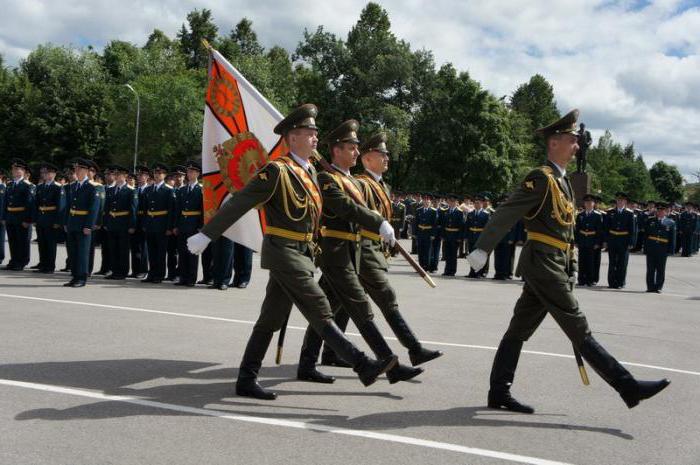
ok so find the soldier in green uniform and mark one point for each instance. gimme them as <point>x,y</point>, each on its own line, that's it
<point>288,192</point>
<point>398,214</point>
<point>373,261</point>
<point>345,215</point>
<point>545,201</point>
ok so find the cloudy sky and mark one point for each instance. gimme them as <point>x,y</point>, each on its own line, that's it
<point>629,66</point>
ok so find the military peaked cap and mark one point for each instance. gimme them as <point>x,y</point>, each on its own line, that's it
<point>301,117</point>
<point>565,125</point>
<point>346,132</point>
<point>376,143</point>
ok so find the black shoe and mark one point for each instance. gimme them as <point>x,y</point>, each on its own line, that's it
<point>179,283</point>
<point>370,369</point>
<point>332,360</point>
<point>78,284</point>
<point>156,281</point>
<point>115,277</point>
<point>169,278</point>
<point>253,389</point>
<point>221,287</point>
<point>311,374</point>
<point>147,280</point>
<point>645,390</point>
<point>64,270</point>
<point>402,373</point>
<point>421,355</point>
<point>69,283</point>
<point>242,285</point>
<point>503,400</point>
<point>101,273</point>
<point>207,282</point>
<point>35,267</point>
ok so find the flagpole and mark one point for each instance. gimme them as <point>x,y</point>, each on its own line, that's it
<point>138,117</point>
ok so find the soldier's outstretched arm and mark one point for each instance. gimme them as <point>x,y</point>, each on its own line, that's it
<point>528,196</point>
<point>258,191</point>
<point>343,206</point>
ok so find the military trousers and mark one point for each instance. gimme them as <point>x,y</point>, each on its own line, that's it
<point>540,297</point>
<point>189,262</point>
<point>424,249</point>
<point>435,254</point>
<point>656,269</point>
<point>2,242</point>
<point>118,248</point>
<point>502,260</point>
<point>242,264</point>
<point>139,252</point>
<point>19,239</point>
<point>222,266</point>
<point>47,237</point>
<point>450,250</point>
<point>172,257</point>
<point>586,265</point>
<point>618,256</point>
<point>157,247</point>
<point>79,248</point>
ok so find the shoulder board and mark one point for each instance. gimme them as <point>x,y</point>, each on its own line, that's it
<point>627,209</point>
<point>444,209</point>
<point>546,169</point>
<point>433,208</point>
<point>93,183</point>
<point>168,186</point>
<point>26,181</point>
<point>130,188</point>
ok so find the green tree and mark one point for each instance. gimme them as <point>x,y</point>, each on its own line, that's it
<point>535,100</point>
<point>200,26</point>
<point>667,180</point>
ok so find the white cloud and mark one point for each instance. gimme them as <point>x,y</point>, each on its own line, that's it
<point>630,67</point>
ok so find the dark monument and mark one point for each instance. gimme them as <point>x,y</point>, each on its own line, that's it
<point>580,180</point>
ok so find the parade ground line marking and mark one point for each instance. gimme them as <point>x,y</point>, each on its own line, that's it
<point>299,328</point>
<point>286,423</point>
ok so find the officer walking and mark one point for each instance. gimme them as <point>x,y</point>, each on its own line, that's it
<point>660,243</point>
<point>189,219</point>
<point>546,202</point>
<point>81,215</point>
<point>621,235</point>
<point>48,216</point>
<point>119,223</point>
<point>160,218</point>
<point>19,213</point>
<point>590,229</point>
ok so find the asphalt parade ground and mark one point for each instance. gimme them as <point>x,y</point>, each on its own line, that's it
<point>131,373</point>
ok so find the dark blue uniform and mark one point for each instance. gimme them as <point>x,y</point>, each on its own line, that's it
<point>451,231</point>
<point>19,208</point>
<point>121,205</point>
<point>139,249</point>
<point>589,235</point>
<point>98,236</point>
<point>3,190</point>
<point>189,220</point>
<point>686,231</point>
<point>160,218</point>
<point>49,214</point>
<point>475,224</point>
<point>503,254</point>
<point>660,243</point>
<point>82,213</point>
<point>426,228</point>
<point>621,235</point>
<point>242,265</point>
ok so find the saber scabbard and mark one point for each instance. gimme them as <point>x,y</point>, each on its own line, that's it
<point>581,367</point>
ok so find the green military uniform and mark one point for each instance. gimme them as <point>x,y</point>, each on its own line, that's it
<point>289,195</point>
<point>398,216</point>
<point>344,213</point>
<point>374,266</point>
<point>546,202</point>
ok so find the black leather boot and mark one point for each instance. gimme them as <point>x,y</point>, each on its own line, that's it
<point>381,349</point>
<point>617,376</point>
<point>247,384</point>
<point>307,359</point>
<point>502,374</point>
<point>367,369</point>
<point>416,352</point>
<point>328,357</point>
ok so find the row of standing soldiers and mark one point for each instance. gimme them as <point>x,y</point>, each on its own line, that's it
<point>140,220</point>
<point>444,226</point>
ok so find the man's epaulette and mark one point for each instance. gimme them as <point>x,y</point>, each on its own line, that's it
<point>27,181</point>
<point>94,183</point>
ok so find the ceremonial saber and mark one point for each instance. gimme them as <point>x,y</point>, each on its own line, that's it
<point>581,367</point>
<point>280,340</point>
<point>419,269</point>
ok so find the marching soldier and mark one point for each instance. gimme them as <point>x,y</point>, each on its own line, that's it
<point>474,225</point>
<point>621,232</point>
<point>426,228</point>
<point>545,200</point>
<point>452,230</point>
<point>48,217</point>
<point>120,222</point>
<point>288,190</point>
<point>138,245</point>
<point>81,215</point>
<point>590,229</point>
<point>345,216</point>
<point>19,211</point>
<point>160,218</point>
<point>660,243</point>
<point>189,219</point>
<point>373,258</point>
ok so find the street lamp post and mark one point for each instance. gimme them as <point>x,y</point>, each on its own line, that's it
<point>138,116</point>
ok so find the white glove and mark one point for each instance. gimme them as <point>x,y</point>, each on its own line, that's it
<point>197,243</point>
<point>477,259</point>
<point>387,233</point>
